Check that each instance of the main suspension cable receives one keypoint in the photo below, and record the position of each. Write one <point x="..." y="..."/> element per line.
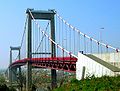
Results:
<point x="24" y="32"/>
<point x="75" y="29"/>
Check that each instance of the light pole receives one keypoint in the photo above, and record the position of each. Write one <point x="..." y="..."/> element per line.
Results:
<point x="100" y="38"/>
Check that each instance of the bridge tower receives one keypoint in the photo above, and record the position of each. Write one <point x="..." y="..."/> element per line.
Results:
<point x="13" y="70"/>
<point x="44" y="15"/>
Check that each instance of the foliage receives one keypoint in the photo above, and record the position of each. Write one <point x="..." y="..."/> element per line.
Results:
<point x="3" y="86"/>
<point x="104" y="83"/>
<point x="2" y="79"/>
<point x="12" y="89"/>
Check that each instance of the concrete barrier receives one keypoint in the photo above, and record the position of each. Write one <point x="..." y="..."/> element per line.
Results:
<point x="86" y="66"/>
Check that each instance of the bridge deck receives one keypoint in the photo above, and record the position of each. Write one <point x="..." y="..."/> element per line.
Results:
<point x="58" y="63"/>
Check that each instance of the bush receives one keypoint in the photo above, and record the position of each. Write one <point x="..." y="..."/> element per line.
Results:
<point x="104" y="83"/>
<point x="12" y="89"/>
<point x="3" y="87"/>
<point x="2" y="80"/>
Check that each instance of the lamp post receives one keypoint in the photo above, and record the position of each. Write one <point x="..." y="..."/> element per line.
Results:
<point x="101" y="34"/>
<point x="100" y="38"/>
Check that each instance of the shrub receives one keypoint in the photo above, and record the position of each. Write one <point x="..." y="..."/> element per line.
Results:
<point x="104" y="83"/>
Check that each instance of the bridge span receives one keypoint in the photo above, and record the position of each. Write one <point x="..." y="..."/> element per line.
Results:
<point x="49" y="41"/>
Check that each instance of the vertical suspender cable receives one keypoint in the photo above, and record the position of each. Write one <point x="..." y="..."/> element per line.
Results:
<point x="66" y="37"/>
<point x="115" y="54"/>
<point x="23" y="41"/>
<point x="91" y="45"/>
<point x="78" y="41"/>
<point x="85" y="43"/>
<point x="59" y="31"/>
<point x="37" y="41"/>
<point x="98" y="46"/>
<point x="33" y="39"/>
<point x="70" y="38"/>
<point x="74" y="40"/>
<point x="56" y="31"/>
<point x="62" y="35"/>
<point x="48" y="44"/>
<point x="106" y="48"/>
<point x="62" y="38"/>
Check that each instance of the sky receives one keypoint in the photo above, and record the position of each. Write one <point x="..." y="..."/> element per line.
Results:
<point x="87" y="15"/>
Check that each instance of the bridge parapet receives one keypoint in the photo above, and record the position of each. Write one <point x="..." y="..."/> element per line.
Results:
<point x="112" y="58"/>
<point x="92" y="65"/>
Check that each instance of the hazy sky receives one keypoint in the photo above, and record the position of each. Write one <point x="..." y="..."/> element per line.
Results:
<point x="87" y="15"/>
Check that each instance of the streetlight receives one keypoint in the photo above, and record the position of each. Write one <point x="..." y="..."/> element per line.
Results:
<point x="100" y="39"/>
<point x="101" y="34"/>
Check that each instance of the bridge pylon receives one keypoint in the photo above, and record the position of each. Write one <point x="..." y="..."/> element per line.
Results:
<point x="13" y="70"/>
<point x="44" y="15"/>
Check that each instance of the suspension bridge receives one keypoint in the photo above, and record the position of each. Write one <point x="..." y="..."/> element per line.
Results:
<point x="50" y="42"/>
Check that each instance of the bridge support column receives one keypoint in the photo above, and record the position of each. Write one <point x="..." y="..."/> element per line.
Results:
<point x="29" y="54"/>
<point x="10" y="69"/>
<point x="14" y="74"/>
<point x="45" y="15"/>
<point x="53" y="51"/>
<point x="20" y="79"/>
<point x="13" y="70"/>
<point x="20" y="74"/>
